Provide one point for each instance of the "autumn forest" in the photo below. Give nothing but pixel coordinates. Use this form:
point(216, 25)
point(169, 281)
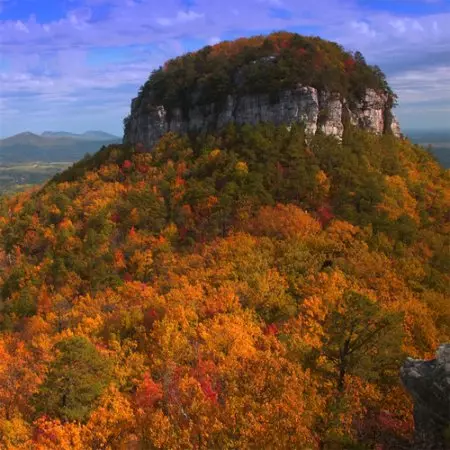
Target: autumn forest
point(250, 288)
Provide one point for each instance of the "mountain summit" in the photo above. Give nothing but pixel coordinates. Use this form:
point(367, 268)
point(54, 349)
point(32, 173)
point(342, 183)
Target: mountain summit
point(283, 78)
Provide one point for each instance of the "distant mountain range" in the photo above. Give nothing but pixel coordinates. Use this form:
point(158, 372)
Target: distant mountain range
point(91, 135)
point(52, 146)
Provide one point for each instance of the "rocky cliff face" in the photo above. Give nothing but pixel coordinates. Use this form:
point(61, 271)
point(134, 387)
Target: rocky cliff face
point(317, 110)
point(428, 382)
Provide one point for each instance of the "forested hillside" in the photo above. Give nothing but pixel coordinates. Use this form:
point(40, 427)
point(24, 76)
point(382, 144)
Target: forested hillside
point(242, 289)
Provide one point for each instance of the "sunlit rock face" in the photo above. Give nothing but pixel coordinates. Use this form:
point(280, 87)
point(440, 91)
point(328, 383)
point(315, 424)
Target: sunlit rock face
point(428, 382)
point(316, 110)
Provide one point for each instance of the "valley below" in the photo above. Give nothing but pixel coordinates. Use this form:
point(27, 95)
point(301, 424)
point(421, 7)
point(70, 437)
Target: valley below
point(442, 152)
point(20, 176)
point(437, 142)
point(28, 159)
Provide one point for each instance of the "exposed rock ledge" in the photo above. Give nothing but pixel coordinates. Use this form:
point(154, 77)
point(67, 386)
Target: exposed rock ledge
point(428, 382)
point(317, 110)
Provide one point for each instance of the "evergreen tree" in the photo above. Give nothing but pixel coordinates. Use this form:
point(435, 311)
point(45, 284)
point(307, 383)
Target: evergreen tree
point(76, 379)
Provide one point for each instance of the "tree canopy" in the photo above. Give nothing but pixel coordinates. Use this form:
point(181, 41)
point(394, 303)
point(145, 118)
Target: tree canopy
point(242, 289)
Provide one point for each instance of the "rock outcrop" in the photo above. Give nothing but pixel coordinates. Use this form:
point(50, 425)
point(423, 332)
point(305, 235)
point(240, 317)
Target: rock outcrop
point(317, 110)
point(428, 382)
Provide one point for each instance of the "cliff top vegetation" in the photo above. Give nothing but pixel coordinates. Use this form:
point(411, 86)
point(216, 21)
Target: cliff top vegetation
point(262, 64)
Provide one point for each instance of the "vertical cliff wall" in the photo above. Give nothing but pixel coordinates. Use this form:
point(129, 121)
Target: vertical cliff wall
point(316, 110)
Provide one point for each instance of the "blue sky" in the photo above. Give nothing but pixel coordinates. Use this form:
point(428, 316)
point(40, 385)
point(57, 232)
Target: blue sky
point(74, 65)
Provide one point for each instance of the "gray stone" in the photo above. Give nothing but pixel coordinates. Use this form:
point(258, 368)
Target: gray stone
point(370, 112)
point(428, 384)
point(331, 106)
point(395, 127)
point(316, 110)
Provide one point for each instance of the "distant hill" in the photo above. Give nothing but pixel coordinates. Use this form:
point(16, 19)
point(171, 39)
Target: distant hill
point(51, 146)
point(93, 135)
point(437, 140)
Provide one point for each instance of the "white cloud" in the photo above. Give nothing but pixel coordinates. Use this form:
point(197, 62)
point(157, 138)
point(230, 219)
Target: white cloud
point(181, 17)
point(107, 77)
point(22, 27)
point(363, 28)
point(214, 40)
point(417, 26)
point(276, 3)
point(399, 25)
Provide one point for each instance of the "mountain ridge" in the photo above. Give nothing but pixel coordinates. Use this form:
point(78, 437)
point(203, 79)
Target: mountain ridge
point(52, 146)
point(90, 134)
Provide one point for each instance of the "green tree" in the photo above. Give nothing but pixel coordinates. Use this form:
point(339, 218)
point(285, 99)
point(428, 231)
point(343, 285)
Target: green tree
point(361, 338)
point(75, 380)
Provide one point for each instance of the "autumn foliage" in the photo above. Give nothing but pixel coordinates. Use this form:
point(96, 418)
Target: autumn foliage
point(241, 290)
